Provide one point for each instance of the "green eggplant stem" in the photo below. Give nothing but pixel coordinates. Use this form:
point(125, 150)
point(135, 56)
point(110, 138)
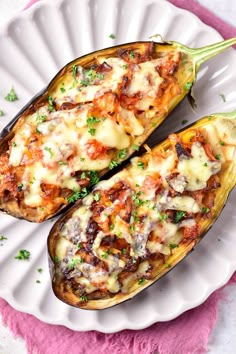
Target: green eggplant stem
point(230, 115)
point(200, 55)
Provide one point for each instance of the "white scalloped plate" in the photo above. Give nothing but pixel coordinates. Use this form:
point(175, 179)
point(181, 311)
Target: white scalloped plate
point(33, 47)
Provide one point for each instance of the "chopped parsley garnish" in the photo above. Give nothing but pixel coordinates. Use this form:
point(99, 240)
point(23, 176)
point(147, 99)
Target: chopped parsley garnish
point(62, 89)
point(23, 255)
point(131, 54)
point(111, 227)
point(105, 254)
point(167, 265)
point(1, 113)
point(84, 83)
point(96, 197)
point(82, 159)
point(132, 228)
point(92, 131)
point(39, 270)
point(83, 298)
point(188, 86)
point(205, 164)
point(205, 210)
point(113, 164)
point(162, 216)
point(125, 66)
point(184, 121)
point(137, 200)
point(83, 175)
point(218, 156)
point(112, 36)
point(77, 195)
point(74, 72)
point(100, 76)
point(173, 245)
point(51, 107)
point(135, 216)
point(222, 143)
point(91, 75)
point(90, 122)
point(48, 149)
point(62, 163)
point(179, 215)
point(20, 186)
point(56, 259)
point(14, 144)
point(38, 281)
point(151, 207)
point(74, 262)
point(154, 124)
point(2, 238)
point(122, 154)
point(135, 147)
point(93, 177)
point(124, 251)
point(140, 164)
point(223, 97)
point(118, 233)
point(79, 245)
point(11, 96)
point(141, 281)
point(40, 119)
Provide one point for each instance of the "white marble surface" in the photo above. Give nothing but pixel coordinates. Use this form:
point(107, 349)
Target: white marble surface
point(222, 339)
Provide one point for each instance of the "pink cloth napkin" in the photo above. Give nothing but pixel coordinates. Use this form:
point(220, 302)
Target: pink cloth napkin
point(187, 334)
point(225, 29)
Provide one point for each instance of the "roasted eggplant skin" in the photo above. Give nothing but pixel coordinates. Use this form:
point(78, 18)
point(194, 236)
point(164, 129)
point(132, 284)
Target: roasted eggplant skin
point(82, 241)
point(33, 184)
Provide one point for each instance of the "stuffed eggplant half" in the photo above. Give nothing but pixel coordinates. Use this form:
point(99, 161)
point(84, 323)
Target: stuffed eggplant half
point(95, 113)
point(136, 226)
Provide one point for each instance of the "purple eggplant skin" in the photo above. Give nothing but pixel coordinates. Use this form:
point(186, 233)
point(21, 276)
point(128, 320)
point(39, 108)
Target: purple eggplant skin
point(220, 129)
point(200, 55)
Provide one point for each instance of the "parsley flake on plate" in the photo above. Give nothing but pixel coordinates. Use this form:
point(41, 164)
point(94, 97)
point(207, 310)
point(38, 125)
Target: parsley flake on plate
point(23, 255)
point(11, 96)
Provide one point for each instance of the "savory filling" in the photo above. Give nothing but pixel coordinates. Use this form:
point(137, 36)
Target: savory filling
point(92, 121)
point(139, 217)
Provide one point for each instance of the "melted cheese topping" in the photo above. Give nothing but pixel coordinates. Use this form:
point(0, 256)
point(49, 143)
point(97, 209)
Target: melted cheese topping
point(146, 80)
point(201, 165)
point(184, 203)
point(146, 214)
point(116, 138)
point(130, 123)
point(109, 81)
point(20, 145)
point(83, 126)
